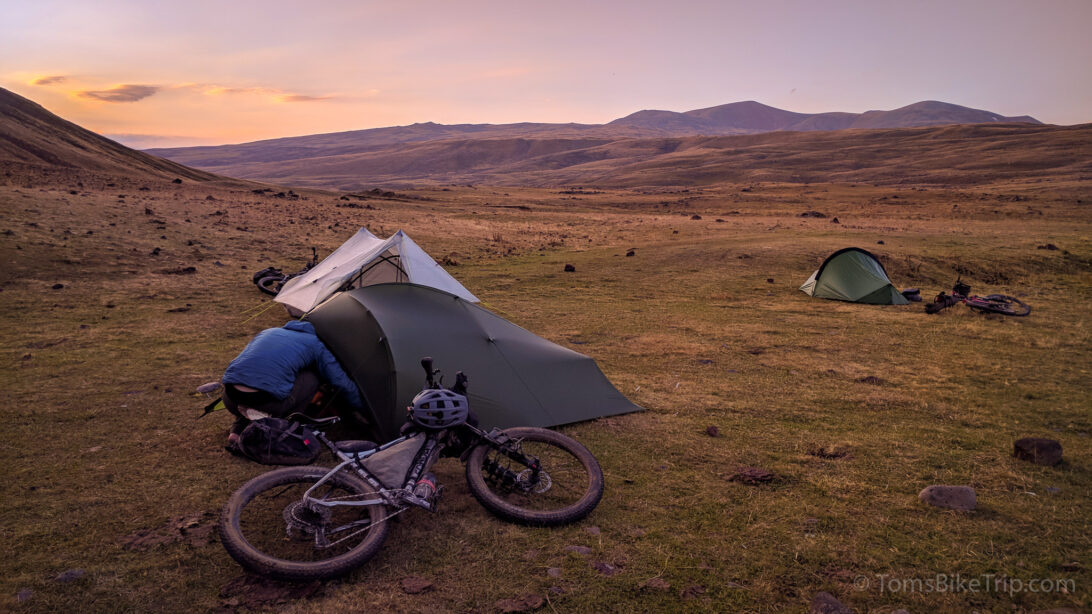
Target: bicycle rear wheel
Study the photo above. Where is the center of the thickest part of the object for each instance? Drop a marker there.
(1002, 304)
(266, 527)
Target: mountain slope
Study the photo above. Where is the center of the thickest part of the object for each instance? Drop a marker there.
(425, 152)
(964, 154)
(31, 136)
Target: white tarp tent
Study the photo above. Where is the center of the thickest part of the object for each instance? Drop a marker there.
(363, 260)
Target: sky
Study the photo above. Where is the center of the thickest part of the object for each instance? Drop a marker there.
(153, 73)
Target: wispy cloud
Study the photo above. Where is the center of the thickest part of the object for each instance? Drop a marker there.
(50, 80)
(120, 93)
(302, 98)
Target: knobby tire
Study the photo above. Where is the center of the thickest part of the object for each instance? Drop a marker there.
(576, 480)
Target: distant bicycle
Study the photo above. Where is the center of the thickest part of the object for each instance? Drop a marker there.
(270, 280)
(993, 303)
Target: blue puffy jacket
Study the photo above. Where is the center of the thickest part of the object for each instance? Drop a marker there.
(274, 357)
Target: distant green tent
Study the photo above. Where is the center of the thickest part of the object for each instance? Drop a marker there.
(379, 333)
(852, 274)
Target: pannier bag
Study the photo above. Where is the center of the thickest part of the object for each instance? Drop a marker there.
(273, 441)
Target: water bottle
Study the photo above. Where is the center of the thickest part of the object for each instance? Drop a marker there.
(426, 487)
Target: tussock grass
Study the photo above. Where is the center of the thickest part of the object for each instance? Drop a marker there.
(103, 442)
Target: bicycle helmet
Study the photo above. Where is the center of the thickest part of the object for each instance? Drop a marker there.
(437, 408)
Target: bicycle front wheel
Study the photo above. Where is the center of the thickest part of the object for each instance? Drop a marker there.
(1000, 303)
(567, 487)
(268, 528)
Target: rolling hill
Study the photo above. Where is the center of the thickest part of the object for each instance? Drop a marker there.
(34, 140)
(646, 147)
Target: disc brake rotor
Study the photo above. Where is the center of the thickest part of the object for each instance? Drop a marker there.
(523, 478)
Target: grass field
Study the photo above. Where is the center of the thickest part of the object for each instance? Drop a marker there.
(855, 408)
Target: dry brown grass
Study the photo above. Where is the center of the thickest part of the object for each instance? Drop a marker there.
(102, 439)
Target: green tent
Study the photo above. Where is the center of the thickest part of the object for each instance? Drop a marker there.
(853, 275)
(379, 333)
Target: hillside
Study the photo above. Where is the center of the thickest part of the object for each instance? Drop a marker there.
(968, 154)
(396, 156)
(33, 139)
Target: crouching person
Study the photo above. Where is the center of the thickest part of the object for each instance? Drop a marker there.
(279, 372)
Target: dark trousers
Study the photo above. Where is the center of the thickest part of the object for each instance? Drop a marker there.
(303, 390)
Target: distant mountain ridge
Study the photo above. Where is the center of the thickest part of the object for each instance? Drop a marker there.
(641, 150)
(752, 117)
(737, 118)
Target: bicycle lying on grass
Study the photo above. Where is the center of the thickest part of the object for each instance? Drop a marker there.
(313, 523)
(994, 303)
(270, 280)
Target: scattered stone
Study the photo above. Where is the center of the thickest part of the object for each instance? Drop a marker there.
(1049, 246)
(176, 180)
(656, 584)
(70, 576)
(526, 603)
(556, 590)
(554, 572)
(155, 252)
(415, 585)
(148, 211)
(1037, 450)
(756, 351)
(815, 214)
(178, 310)
(208, 387)
(705, 361)
(631, 254)
(570, 268)
(960, 498)
(592, 530)
(769, 280)
(834, 220)
(695, 217)
(606, 568)
(880, 242)
(752, 475)
(871, 379)
(58, 286)
(712, 431)
(189, 270)
(1057, 611)
(1053, 490)
(23, 595)
(581, 550)
(825, 603)
(692, 591)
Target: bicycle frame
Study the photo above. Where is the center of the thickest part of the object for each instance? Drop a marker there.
(404, 497)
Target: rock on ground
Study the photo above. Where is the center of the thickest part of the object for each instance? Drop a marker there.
(960, 498)
(1038, 450)
(825, 603)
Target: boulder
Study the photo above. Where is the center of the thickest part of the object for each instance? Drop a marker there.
(825, 603)
(960, 498)
(1038, 450)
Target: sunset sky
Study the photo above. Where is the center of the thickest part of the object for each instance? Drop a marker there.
(162, 73)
